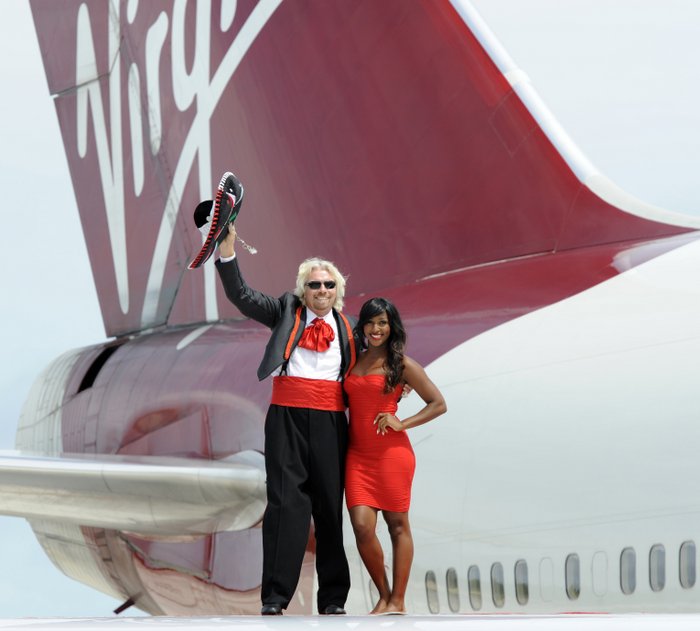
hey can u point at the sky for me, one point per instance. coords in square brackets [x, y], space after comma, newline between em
[619, 75]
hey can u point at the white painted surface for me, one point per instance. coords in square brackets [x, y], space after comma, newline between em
[572, 429]
[629, 622]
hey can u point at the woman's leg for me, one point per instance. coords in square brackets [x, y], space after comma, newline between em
[402, 545]
[364, 525]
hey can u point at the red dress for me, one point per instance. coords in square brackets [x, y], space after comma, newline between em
[378, 468]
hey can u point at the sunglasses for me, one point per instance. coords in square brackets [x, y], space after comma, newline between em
[316, 284]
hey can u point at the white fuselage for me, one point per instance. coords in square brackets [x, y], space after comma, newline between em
[571, 431]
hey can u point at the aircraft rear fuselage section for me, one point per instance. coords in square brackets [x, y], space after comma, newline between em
[556, 413]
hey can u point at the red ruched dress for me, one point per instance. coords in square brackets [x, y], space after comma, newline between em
[378, 468]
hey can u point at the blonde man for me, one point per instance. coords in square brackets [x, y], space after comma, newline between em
[310, 350]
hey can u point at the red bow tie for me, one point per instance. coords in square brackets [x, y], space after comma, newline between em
[317, 336]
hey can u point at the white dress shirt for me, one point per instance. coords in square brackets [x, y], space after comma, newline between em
[312, 364]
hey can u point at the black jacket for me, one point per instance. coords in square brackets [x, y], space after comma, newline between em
[279, 315]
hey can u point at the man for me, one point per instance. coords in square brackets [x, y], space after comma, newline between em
[310, 350]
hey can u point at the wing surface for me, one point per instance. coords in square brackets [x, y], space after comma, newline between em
[146, 495]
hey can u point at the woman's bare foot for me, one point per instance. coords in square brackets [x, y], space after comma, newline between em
[380, 607]
[394, 607]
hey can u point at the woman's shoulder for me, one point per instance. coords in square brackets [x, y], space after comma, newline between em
[410, 363]
[411, 368]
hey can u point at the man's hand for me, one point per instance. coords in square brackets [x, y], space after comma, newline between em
[226, 247]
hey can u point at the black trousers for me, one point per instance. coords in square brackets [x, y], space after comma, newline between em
[305, 462]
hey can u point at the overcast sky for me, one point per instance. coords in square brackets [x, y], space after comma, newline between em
[620, 75]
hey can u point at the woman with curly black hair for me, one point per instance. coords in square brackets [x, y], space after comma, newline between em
[380, 461]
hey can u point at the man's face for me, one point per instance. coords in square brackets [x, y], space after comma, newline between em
[322, 299]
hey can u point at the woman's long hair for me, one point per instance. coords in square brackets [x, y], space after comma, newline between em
[393, 367]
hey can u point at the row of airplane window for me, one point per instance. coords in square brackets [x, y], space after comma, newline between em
[572, 578]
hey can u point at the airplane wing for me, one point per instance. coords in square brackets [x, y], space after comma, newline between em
[145, 495]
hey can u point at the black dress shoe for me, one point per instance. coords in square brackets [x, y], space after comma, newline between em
[271, 610]
[333, 610]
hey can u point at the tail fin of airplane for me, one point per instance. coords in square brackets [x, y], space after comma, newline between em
[395, 138]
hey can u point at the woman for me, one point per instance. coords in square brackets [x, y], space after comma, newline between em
[380, 461]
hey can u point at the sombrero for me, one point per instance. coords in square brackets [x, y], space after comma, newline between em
[212, 217]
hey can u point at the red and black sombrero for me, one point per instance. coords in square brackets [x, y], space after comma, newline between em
[212, 217]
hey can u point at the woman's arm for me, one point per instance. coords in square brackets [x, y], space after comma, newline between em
[435, 405]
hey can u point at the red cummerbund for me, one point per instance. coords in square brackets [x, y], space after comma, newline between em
[316, 394]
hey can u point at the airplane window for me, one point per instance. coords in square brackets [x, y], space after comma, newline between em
[474, 579]
[572, 576]
[628, 570]
[431, 592]
[686, 564]
[522, 592]
[498, 591]
[452, 590]
[657, 567]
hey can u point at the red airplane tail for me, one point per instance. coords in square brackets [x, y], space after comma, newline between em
[399, 151]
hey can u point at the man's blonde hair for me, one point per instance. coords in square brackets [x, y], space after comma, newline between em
[308, 266]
